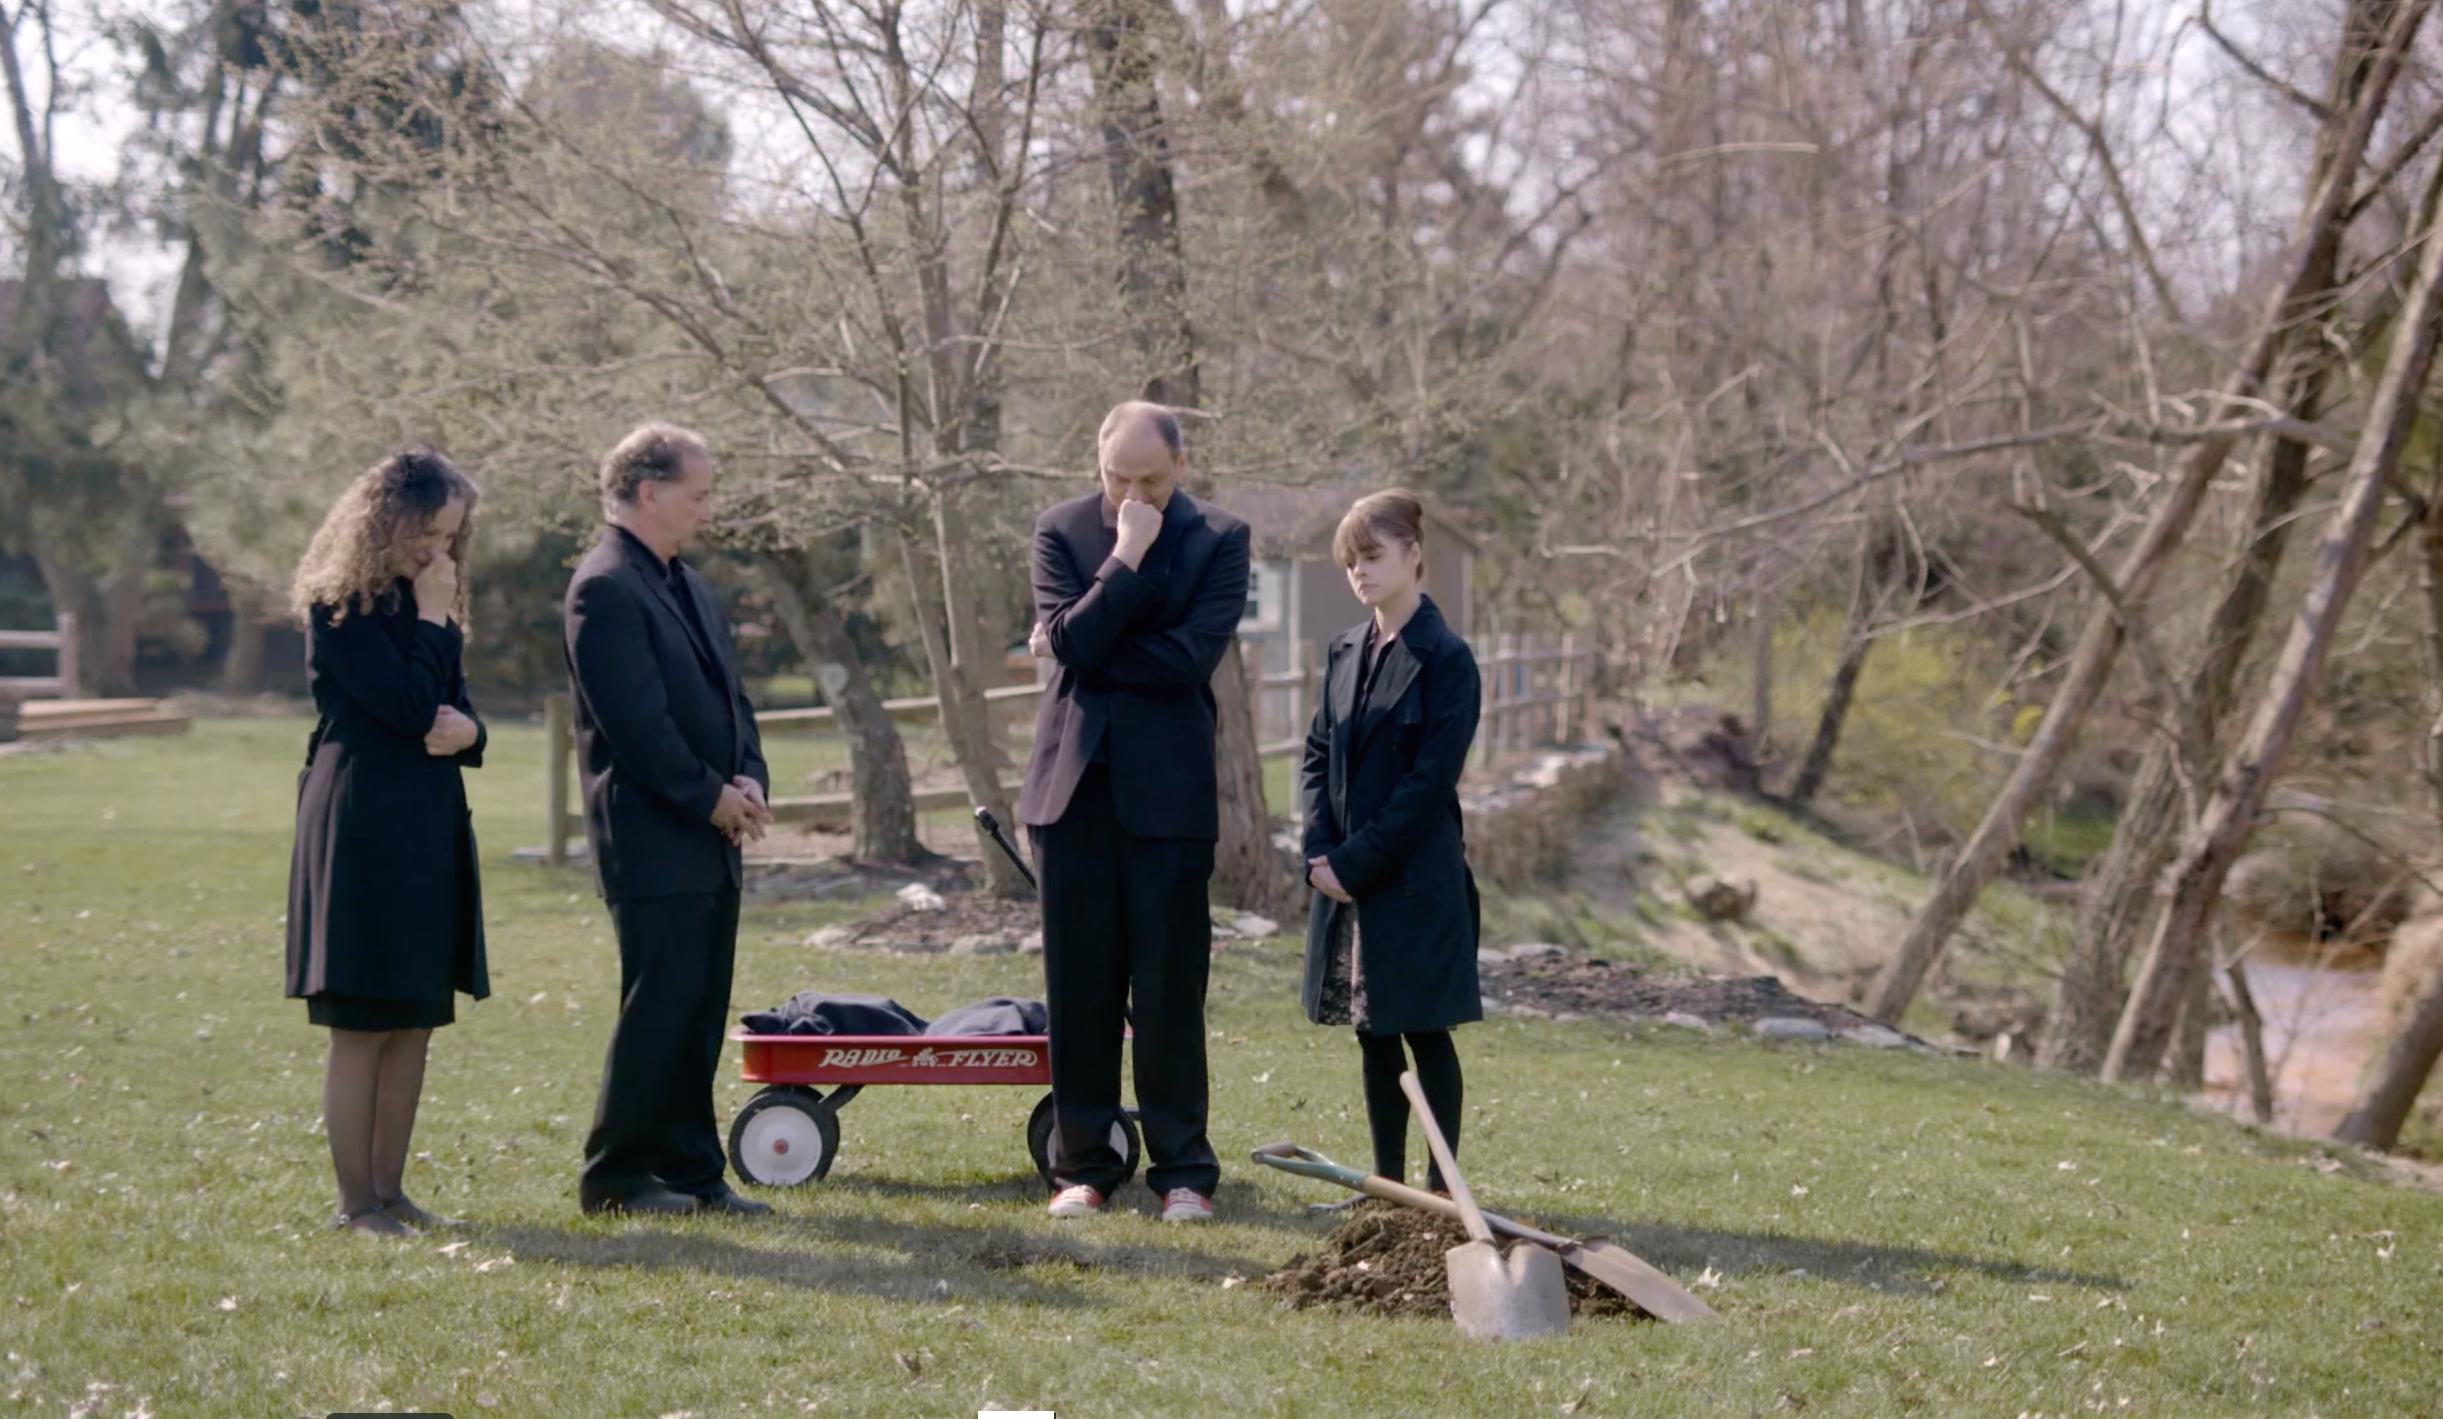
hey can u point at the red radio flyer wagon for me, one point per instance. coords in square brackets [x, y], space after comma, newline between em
[789, 1133]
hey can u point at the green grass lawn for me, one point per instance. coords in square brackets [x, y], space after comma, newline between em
[1886, 1234]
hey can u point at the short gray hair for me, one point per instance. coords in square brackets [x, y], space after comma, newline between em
[1164, 422]
[653, 452]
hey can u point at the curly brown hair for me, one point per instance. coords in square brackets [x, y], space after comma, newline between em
[352, 563]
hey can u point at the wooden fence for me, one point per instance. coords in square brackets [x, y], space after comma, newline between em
[61, 642]
[1535, 692]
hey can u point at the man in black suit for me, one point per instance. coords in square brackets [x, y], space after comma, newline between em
[1138, 591]
[674, 782]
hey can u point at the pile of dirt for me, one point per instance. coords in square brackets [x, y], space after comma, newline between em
[1386, 1260]
[1588, 986]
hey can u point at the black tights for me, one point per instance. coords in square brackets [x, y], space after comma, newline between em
[369, 1093]
[1437, 1063]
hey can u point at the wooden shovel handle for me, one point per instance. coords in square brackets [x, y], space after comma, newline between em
[1469, 1216]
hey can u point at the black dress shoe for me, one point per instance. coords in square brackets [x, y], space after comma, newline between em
[403, 1209]
[659, 1200]
[730, 1202]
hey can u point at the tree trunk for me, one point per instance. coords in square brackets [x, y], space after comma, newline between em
[965, 719]
[2205, 861]
[2093, 984]
[1760, 683]
[1877, 550]
[2187, 1069]
[75, 594]
[1153, 275]
[242, 665]
[123, 606]
[2251, 1042]
[1247, 871]
[106, 609]
[2087, 999]
[1837, 699]
[2408, 1061]
[2341, 147]
[882, 801]
[2392, 1083]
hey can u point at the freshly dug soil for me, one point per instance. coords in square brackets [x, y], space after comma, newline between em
[1386, 1260]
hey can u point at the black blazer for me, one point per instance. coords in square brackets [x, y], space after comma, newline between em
[383, 897]
[662, 723]
[1381, 803]
[1134, 655]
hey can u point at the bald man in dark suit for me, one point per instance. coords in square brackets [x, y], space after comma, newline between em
[1138, 591]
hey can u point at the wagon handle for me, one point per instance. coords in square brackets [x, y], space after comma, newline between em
[992, 829]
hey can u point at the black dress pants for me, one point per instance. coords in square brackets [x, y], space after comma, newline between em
[653, 1121]
[1125, 916]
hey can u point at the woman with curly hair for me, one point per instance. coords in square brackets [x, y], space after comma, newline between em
[384, 921]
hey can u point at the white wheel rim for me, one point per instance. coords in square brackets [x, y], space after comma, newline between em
[1119, 1144]
[781, 1145]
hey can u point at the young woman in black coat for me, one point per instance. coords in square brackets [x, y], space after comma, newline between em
[384, 921]
[1391, 933]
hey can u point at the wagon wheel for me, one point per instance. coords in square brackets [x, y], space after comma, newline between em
[1039, 1140]
[786, 1135]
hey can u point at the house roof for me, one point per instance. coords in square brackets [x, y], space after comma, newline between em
[1288, 520]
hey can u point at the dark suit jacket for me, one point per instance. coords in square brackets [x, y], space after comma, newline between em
[662, 723]
[383, 898]
[1135, 653]
[1381, 802]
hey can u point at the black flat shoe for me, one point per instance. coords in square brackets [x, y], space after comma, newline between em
[369, 1222]
[403, 1209]
[731, 1203]
[661, 1201]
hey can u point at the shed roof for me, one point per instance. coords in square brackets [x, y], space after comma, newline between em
[1288, 520]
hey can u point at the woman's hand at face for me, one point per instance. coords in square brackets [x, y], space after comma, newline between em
[437, 589]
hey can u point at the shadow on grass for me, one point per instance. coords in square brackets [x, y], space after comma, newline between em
[1902, 1270]
[909, 1278]
[838, 1255]
[1006, 1249]
[1239, 1202]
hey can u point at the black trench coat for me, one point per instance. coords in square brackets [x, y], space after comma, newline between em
[1381, 801]
[383, 899]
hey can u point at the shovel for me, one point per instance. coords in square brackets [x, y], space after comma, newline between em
[1493, 1297]
[1616, 1267]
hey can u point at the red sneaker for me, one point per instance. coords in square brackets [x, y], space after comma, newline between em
[1186, 1204]
[1078, 1201]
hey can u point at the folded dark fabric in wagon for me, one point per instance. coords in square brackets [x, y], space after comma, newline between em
[820, 1012]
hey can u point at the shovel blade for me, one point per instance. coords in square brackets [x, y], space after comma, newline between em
[1517, 1297]
[1625, 1272]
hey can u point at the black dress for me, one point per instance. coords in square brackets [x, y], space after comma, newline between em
[385, 915]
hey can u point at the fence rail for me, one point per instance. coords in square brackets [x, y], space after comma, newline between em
[61, 642]
[1536, 690]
